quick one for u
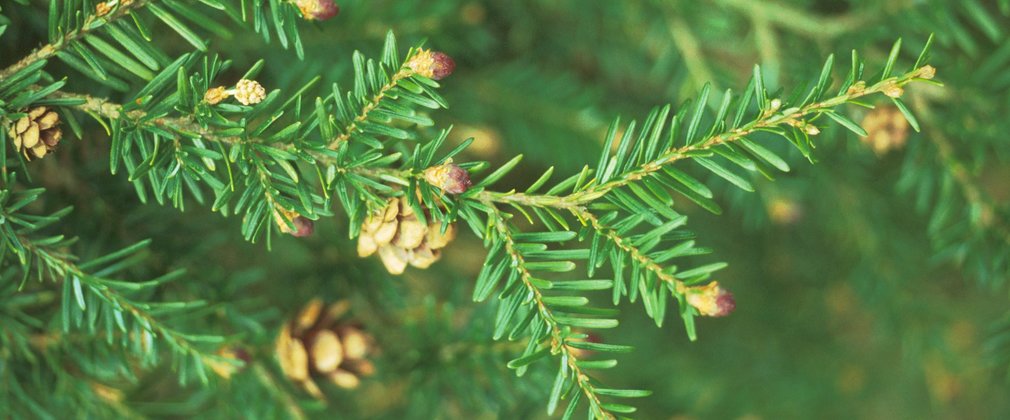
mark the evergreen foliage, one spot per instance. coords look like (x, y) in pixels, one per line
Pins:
(114, 326)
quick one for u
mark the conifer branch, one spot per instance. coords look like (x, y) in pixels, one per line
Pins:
(624, 205)
(636, 182)
(113, 111)
(622, 243)
(91, 23)
(769, 119)
(61, 264)
(558, 340)
(369, 106)
(88, 294)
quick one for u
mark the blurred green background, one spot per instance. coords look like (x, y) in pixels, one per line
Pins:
(869, 285)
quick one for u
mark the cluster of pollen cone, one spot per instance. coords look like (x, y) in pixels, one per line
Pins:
(318, 346)
(401, 238)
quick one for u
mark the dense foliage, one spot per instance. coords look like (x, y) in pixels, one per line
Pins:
(185, 182)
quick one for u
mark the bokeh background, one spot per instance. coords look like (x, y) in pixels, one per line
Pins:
(868, 285)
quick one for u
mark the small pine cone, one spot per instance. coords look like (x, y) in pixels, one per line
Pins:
(711, 300)
(317, 344)
(448, 177)
(36, 134)
(249, 92)
(317, 9)
(886, 129)
(432, 64)
(399, 237)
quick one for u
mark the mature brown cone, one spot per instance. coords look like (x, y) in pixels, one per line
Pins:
(37, 134)
(317, 345)
(401, 238)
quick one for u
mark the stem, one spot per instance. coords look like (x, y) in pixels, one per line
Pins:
(403, 73)
(625, 245)
(769, 120)
(186, 124)
(558, 343)
(111, 110)
(47, 51)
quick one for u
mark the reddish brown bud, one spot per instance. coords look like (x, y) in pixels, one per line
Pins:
(318, 9)
(443, 67)
(303, 227)
(725, 304)
(432, 64)
(449, 177)
(711, 300)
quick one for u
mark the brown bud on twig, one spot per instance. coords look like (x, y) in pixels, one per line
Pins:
(711, 300)
(448, 177)
(318, 9)
(303, 226)
(432, 64)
